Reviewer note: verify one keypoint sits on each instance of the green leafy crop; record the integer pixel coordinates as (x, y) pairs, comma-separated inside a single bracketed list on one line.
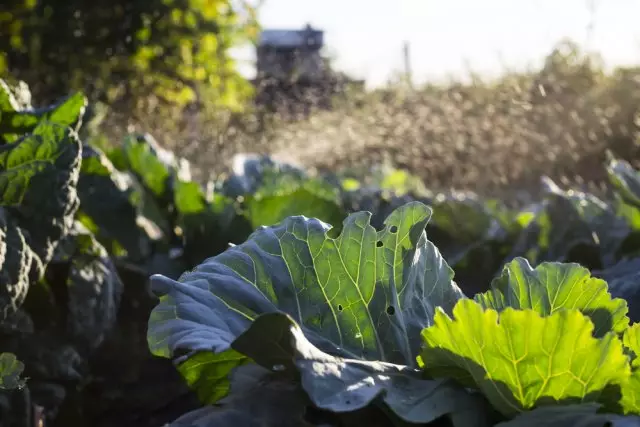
[(363, 297), (520, 359), (284, 298), (348, 316)]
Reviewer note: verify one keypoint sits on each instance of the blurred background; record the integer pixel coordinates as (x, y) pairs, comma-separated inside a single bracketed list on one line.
[(485, 96)]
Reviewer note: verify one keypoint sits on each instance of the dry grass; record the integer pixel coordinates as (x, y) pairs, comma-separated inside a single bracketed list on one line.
[(495, 138)]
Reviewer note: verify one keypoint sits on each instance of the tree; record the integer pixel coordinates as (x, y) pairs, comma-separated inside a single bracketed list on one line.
[(127, 50)]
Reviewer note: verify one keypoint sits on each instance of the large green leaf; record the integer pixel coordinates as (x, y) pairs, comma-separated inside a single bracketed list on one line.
[(364, 294), (38, 178), (521, 360), (17, 120), (552, 286)]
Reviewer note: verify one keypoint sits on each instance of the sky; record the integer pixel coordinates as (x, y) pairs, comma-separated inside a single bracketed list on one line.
[(449, 37)]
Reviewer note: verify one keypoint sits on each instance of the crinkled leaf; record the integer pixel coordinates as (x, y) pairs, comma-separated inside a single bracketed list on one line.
[(38, 177), (579, 415), (19, 266), (631, 340), (17, 120), (10, 371), (630, 400), (630, 396), (106, 196), (340, 385), (93, 288), (552, 286), (366, 293), (520, 359)]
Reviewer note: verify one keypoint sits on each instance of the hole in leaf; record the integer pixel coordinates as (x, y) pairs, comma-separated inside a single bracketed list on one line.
[(339, 307), (393, 229), (379, 243), (391, 310)]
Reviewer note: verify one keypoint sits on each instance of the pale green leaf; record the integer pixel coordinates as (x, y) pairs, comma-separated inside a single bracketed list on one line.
[(520, 359), (553, 286)]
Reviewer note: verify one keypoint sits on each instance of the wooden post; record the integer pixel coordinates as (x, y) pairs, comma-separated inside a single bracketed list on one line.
[(407, 64)]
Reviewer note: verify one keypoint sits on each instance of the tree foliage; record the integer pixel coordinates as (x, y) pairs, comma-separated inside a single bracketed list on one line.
[(127, 49)]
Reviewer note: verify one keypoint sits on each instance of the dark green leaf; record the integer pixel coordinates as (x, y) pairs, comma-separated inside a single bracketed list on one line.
[(17, 120), (93, 288), (366, 293), (38, 177), (623, 279), (340, 385), (572, 226), (258, 398)]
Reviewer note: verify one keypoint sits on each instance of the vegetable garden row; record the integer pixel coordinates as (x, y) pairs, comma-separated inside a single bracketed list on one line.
[(282, 298)]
